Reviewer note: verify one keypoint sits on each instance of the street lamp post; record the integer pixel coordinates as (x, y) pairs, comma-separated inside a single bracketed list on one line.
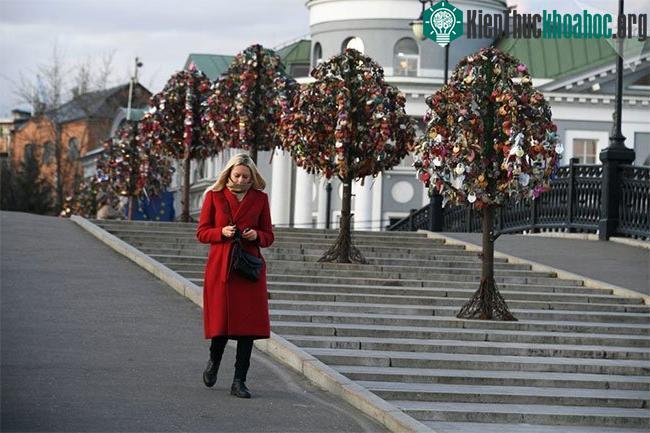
[(134, 79), (614, 156), (328, 206)]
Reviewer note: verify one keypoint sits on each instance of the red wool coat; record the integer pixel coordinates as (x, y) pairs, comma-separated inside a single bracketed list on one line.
[(232, 305)]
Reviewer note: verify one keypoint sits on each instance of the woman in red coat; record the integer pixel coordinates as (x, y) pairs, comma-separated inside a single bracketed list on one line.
[(234, 307)]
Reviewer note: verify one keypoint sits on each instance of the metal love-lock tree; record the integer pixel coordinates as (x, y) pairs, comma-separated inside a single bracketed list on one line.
[(348, 123), (246, 103), (130, 167), (489, 139), (173, 124)]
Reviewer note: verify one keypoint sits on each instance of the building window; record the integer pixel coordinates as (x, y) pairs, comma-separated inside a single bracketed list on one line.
[(405, 58), (354, 43), (318, 55), (299, 70), (585, 150), (642, 148), (48, 152), (28, 152), (73, 149), (199, 170)]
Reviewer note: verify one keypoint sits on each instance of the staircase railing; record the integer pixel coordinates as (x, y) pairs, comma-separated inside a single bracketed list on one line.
[(573, 204)]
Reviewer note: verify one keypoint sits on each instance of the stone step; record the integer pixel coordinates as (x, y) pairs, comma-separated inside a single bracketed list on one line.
[(495, 378), (508, 394), (376, 358), (398, 271), (451, 264), (190, 236), (182, 238), (469, 285), (394, 254), (522, 413), (173, 261), (191, 227), (440, 280), (271, 254), (311, 249), (314, 264), (293, 264), (336, 302), (452, 274), (471, 347), (343, 305), (453, 261), (440, 329), (552, 326), (472, 427), (422, 295)]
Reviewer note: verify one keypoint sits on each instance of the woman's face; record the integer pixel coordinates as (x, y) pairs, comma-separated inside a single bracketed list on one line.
[(241, 175)]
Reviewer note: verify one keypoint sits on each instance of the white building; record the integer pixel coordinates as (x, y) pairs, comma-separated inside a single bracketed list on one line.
[(577, 76)]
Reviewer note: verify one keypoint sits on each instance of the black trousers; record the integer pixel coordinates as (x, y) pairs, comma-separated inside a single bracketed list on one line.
[(243, 359)]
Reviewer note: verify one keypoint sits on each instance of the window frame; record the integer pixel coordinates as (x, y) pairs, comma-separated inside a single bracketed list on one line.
[(77, 146), (398, 56), (601, 137)]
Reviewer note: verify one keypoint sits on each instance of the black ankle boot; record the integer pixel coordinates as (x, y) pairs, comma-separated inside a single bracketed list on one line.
[(210, 374), (238, 389)]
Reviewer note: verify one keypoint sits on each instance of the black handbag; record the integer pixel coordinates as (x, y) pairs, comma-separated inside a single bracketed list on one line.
[(243, 262)]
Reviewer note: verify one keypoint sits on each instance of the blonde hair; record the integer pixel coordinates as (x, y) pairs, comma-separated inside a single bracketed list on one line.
[(239, 159)]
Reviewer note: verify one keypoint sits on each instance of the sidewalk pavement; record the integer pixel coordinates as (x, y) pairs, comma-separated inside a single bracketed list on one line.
[(622, 265), (92, 342)]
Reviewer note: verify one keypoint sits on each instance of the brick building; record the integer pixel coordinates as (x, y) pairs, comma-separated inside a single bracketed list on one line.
[(82, 123)]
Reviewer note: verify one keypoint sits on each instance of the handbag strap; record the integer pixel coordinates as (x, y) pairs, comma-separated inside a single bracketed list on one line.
[(231, 222)]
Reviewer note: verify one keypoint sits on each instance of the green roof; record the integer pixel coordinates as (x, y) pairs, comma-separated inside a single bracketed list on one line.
[(298, 52), (212, 65), (554, 58)]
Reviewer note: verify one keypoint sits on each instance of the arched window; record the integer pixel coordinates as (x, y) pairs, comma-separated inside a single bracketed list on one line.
[(406, 57), (48, 152), (317, 56), (353, 42), (73, 148)]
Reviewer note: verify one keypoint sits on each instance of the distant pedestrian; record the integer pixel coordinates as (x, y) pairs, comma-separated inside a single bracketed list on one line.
[(234, 307), (105, 209)]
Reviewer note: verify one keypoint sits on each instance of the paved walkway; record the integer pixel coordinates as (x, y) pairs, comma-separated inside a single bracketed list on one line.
[(92, 342), (618, 264)]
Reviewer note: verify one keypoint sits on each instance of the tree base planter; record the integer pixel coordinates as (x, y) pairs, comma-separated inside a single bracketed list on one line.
[(486, 304), (343, 252)]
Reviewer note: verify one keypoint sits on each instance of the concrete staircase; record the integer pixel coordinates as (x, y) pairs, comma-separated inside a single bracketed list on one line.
[(578, 359)]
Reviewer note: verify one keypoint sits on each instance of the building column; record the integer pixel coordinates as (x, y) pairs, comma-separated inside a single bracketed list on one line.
[(302, 210), (322, 203), (281, 189), (363, 204)]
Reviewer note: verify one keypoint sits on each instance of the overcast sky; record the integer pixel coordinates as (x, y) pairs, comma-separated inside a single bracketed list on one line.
[(162, 32)]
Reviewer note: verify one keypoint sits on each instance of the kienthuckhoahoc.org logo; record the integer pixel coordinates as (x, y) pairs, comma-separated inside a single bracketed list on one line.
[(555, 25), (443, 22)]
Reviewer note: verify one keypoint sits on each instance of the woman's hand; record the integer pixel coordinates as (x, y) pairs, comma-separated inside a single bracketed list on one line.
[(228, 231), (249, 235)]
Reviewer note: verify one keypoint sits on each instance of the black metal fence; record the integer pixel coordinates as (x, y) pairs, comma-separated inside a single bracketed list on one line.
[(573, 204)]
